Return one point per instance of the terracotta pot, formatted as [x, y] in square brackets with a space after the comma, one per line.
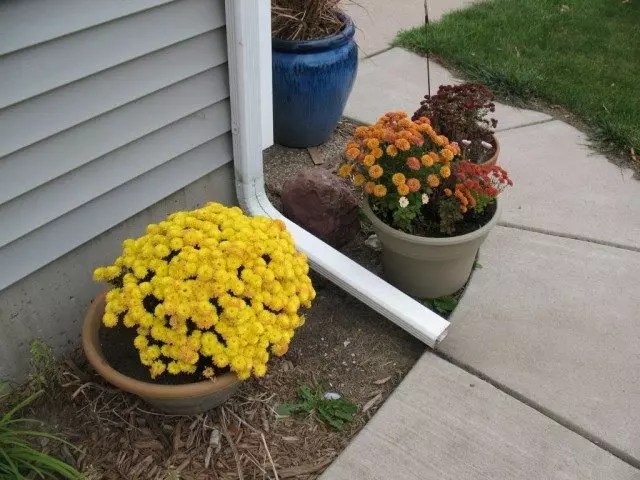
[428, 267]
[494, 159]
[187, 399]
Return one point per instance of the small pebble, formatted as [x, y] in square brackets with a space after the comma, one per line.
[332, 396]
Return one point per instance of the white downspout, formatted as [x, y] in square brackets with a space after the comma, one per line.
[249, 49]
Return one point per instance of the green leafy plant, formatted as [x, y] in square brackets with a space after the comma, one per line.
[335, 413]
[444, 305]
[19, 459]
[42, 364]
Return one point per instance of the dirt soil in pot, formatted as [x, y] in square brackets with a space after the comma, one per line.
[344, 347]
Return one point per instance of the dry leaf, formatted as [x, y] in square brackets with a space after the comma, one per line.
[371, 403]
[382, 381]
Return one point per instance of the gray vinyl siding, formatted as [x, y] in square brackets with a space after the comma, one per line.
[106, 108]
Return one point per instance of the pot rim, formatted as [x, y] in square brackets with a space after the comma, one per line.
[432, 241]
[494, 158]
[317, 44]
[96, 358]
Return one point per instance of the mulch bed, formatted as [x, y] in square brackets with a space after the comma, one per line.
[343, 347]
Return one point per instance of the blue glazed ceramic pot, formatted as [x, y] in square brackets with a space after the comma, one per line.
[312, 80]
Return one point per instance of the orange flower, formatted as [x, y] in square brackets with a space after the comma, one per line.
[441, 140]
[413, 163]
[362, 132]
[434, 156]
[445, 171]
[352, 153]
[372, 143]
[358, 179]
[424, 120]
[403, 189]
[377, 152]
[380, 190]
[427, 161]
[404, 122]
[463, 209]
[345, 170]
[352, 145]
[455, 148]
[413, 184]
[369, 186]
[389, 136]
[417, 140]
[433, 181]
[446, 154]
[375, 171]
[392, 151]
[398, 179]
[448, 192]
[368, 160]
[403, 144]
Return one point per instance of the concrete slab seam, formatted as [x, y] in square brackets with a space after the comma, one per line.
[532, 124]
[560, 420]
[580, 238]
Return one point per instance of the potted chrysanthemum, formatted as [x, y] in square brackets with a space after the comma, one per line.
[461, 113]
[430, 207]
[196, 305]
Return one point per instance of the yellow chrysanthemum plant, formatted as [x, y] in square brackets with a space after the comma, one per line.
[416, 179]
[209, 290]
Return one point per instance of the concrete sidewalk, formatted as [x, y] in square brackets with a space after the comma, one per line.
[551, 318]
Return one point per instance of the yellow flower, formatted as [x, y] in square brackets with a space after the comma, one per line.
[345, 170]
[403, 189]
[398, 178]
[380, 190]
[448, 192]
[157, 368]
[369, 160]
[358, 179]
[375, 171]
[433, 181]
[392, 151]
[445, 171]
[427, 161]
[109, 320]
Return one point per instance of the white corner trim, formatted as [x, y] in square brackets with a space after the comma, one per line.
[248, 31]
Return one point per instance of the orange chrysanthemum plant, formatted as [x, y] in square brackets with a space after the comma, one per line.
[417, 180]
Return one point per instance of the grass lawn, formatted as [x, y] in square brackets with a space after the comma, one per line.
[581, 54]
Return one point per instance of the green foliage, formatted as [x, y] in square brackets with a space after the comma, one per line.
[449, 213]
[335, 413]
[584, 56]
[404, 217]
[19, 459]
[42, 364]
[443, 305]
